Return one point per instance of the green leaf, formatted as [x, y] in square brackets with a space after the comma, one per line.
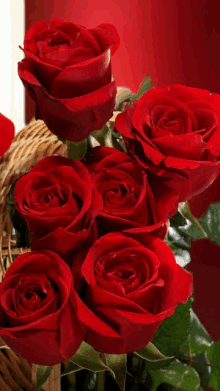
[92, 380]
[181, 236]
[156, 380]
[186, 212]
[213, 355]
[178, 375]
[103, 136]
[70, 367]
[118, 143]
[178, 238]
[151, 353]
[210, 221]
[118, 364]
[182, 256]
[123, 94]
[190, 232]
[177, 220]
[204, 371]
[173, 331]
[198, 340]
[77, 150]
[179, 247]
[207, 226]
[88, 358]
[145, 86]
[42, 374]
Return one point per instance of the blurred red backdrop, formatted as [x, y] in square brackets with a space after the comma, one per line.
[173, 42]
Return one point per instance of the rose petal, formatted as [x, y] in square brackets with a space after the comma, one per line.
[82, 78]
[7, 131]
[106, 35]
[185, 146]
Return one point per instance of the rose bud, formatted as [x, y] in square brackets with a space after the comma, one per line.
[133, 198]
[67, 72]
[59, 204]
[175, 131]
[131, 287]
[38, 309]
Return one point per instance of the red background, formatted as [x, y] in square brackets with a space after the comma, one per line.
[173, 42]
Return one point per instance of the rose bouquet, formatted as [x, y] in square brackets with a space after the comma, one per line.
[105, 287]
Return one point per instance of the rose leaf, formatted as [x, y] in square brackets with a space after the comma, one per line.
[42, 374]
[208, 225]
[151, 353]
[177, 220]
[210, 221]
[173, 331]
[213, 355]
[77, 150]
[70, 368]
[182, 256]
[88, 358]
[184, 209]
[123, 94]
[179, 246]
[198, 339]
[178, 375]
[145, 86]
[202, 367]
[118, 364]
[103, 136]
[118, 144]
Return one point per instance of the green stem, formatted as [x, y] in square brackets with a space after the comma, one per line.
[197, 362]
[186, 212]
[76, 150]
[100, 383]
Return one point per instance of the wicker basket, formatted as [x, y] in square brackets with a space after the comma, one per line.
[31, 144]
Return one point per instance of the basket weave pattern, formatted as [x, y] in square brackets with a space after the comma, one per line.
[30, 145]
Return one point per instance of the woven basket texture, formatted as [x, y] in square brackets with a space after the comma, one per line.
[30, 145]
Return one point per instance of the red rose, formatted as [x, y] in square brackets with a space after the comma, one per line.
[132, 198]
[67, 72]
[59, 205]
[175, 130]
[37, 309]
[7, 131]
[131, 286]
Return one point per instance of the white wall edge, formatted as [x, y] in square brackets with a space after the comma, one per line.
[12, 94]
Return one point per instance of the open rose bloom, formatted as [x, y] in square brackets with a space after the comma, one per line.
[38, 319]
[102, 278]
[175, 131]
[67, 72]
[131, 286]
